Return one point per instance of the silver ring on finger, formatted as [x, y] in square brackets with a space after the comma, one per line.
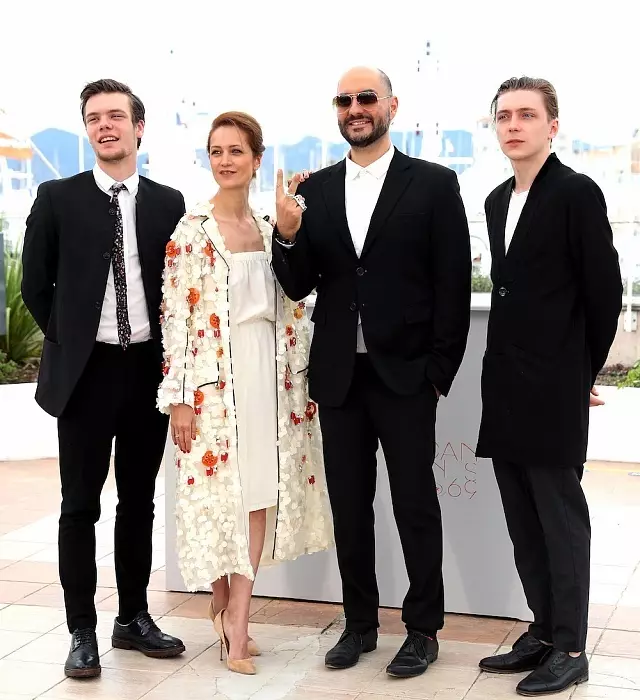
[299, 200]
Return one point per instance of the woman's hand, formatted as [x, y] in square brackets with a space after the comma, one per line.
[183, 426]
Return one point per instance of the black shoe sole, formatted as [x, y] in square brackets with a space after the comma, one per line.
[83, 672]
[533, 667]
[366, 650]
[412, 673]
[129, 644]
[578, 681]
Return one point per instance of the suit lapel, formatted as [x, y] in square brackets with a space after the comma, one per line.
[396, 181]
[334, 194]
[498, 221]
[536, 194]
[101, 222]
[144, 215]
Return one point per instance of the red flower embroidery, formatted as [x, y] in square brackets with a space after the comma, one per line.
[209, 459]
[312, 480]
[191, 481]
[289, 330]
[198, 397]
[214, 321]
[172, 249]
[194, 296]
[311, 410]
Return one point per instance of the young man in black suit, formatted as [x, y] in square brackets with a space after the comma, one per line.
[93, 261]
[557, 295]
[385, 241]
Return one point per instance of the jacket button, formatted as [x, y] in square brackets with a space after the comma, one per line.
[112, 211]
[353, 306]
[106, 256]
[360, 271]
[503, 291]
[98, 305]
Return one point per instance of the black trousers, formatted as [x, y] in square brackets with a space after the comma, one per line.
[548, 522]
[115, 398]
[405, 427]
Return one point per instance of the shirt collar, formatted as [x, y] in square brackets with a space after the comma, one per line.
[105, 181]
[378, 168]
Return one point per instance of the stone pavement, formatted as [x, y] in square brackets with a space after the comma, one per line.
[293, 635]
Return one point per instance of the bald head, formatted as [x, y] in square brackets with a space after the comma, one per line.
[365, 107]
[365, 78]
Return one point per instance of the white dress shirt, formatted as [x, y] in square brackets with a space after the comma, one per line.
[136, 300]
[516, 205]
[362, 189]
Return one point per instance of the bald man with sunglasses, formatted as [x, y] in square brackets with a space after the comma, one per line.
[384, 239]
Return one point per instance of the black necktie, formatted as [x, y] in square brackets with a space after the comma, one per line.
[119, 276]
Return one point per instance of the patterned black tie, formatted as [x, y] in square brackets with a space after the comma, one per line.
[119, 276]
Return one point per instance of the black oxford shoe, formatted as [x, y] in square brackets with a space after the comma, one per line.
[414, 657]
[83, 660]
[144, 635]
[346, 652]
[525, 655]
[556, 673]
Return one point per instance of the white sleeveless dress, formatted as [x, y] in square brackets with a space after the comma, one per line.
[252, 298]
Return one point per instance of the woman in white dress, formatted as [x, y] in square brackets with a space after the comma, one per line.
[248, 448]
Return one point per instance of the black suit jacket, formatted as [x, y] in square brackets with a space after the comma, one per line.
[411, 284]
[555, 304]
[66, 260]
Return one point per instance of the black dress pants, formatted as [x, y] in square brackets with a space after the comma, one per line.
[114, 398]
[548, 522]
[405, 427]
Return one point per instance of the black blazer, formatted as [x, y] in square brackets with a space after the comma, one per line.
[555, 305]
[411, 284]
[66, 260]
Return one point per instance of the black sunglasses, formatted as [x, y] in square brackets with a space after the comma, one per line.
[366, 98]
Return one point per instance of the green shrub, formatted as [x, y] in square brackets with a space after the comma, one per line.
[23, 341]
[632, 377]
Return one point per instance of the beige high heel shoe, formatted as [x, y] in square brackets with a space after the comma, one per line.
[244, 666]
[252, 647]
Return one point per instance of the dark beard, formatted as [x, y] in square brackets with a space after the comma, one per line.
[380, 128]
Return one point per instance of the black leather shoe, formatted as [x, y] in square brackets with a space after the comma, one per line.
[346, 652]
[556, 673]
[414, 657]
[83, 660]
[144, 635]
[525, 655]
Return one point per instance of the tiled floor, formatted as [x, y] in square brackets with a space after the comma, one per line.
[293, 635]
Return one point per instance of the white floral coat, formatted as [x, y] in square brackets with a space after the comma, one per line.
[212, 526]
